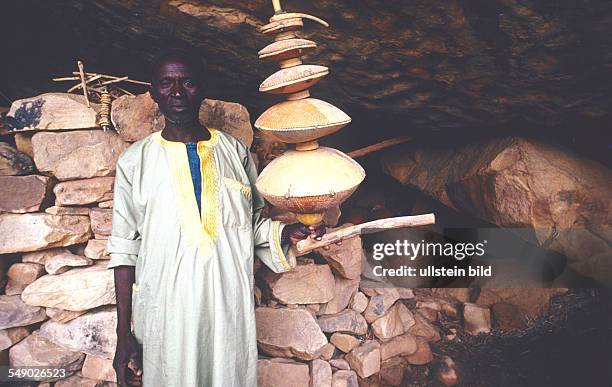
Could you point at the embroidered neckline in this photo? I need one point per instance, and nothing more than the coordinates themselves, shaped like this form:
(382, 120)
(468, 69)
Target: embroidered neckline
(199, 230)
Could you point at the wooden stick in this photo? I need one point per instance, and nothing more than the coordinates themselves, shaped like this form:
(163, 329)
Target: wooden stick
(78, 85)
(83, 83)
(114, 77)
(113, 81)
(124, 90)
(378, 146)
(67, 79)
(307, 245)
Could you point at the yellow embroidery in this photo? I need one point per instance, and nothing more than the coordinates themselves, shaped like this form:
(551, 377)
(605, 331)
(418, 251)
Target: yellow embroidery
(198, 230)
(277, 246)
(236, 185)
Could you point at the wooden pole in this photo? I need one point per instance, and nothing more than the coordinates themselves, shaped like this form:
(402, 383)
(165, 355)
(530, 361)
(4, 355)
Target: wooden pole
(378, 146)
(307, 245)
(83, 83)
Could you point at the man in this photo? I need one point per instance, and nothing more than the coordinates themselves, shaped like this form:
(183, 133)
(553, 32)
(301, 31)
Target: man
(186, 221)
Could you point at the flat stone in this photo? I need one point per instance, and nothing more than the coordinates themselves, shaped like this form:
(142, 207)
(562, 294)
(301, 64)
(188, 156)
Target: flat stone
(28, 232)
(78, 289)
(343, 292)
(229, 117)
(320, 374)
(282, 372)
(11, 336)
(61, 315)
(42, 256)
(424, 329)
(344, 342)
(54, 111)
(58, 210)
(401, 345)
(95, 249)
(106, 204)
(37, 351)
(101, 221)
(365, 359)
(15, 313)
(86, 191)
(347, 321)
(25, 273)
(328, 351)
(531, 303)
(392, 371)
(359, 302)
(345, 259)
(422, 355)
(288, 333)
(14, 162)
(92, 333)
(344, 378)
(98, 368)
(477, 319)
(61, 263)
(80, 154)
(20, 194)
(340, 364)
(454, 294)
(395, 322)
(379, 305)
(13, 288)
(305, 284)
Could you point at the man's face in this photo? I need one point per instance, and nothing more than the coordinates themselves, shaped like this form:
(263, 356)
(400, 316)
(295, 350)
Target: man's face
(177, 90)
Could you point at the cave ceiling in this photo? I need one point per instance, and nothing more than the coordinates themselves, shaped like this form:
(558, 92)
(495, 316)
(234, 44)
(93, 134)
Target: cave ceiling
(421, 65)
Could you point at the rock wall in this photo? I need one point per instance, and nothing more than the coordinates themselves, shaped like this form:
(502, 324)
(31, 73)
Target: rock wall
(316, 325)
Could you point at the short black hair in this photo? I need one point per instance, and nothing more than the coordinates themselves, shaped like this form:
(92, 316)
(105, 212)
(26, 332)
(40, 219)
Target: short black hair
(189, 55)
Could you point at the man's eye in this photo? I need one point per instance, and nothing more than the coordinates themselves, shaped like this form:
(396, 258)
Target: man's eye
(165, 84)
(189, 83)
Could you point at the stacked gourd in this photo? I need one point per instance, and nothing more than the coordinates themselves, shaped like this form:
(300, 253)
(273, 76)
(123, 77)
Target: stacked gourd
(309, 179)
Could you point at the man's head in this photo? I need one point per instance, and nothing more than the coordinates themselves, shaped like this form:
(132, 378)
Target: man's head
(177, 79)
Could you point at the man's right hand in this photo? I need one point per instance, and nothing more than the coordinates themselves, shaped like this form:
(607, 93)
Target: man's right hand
(128, 361)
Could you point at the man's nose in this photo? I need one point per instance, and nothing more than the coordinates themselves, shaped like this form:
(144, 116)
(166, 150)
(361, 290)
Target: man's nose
(177, 90)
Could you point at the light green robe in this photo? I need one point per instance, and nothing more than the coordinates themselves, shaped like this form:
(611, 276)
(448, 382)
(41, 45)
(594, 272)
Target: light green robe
(193, 306)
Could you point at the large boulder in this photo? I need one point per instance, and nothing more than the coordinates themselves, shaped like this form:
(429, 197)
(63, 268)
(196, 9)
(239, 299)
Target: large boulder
(15, 313)
(306, 284)
(14, 162)
(37, 351)
(80, 192)
(79, 154)
(28, 232)
(518, 183)
(289, 333)
(282, 372)
(77, 289)
(92, 333)
(19, 194)
(53, 111)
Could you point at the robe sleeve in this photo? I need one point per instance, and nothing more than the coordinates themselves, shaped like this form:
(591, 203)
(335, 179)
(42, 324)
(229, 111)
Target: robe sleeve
(267, 232)
(123, 244)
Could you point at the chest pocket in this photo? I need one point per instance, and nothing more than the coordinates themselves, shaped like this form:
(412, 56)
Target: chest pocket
(236, 203)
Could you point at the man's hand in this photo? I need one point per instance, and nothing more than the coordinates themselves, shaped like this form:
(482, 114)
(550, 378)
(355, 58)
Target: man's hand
(128, 361)
(297, 231)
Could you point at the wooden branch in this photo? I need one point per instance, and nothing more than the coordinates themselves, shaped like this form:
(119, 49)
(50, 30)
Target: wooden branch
(307, 245)
(113, 81)
(83, 83)
(378, 146)
(66, 79)
(78, 85)
(114, 77)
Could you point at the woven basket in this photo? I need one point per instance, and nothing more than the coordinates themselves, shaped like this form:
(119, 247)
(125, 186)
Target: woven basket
(301, 120)
(310, 181)
(287, 49)
(293, 79)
